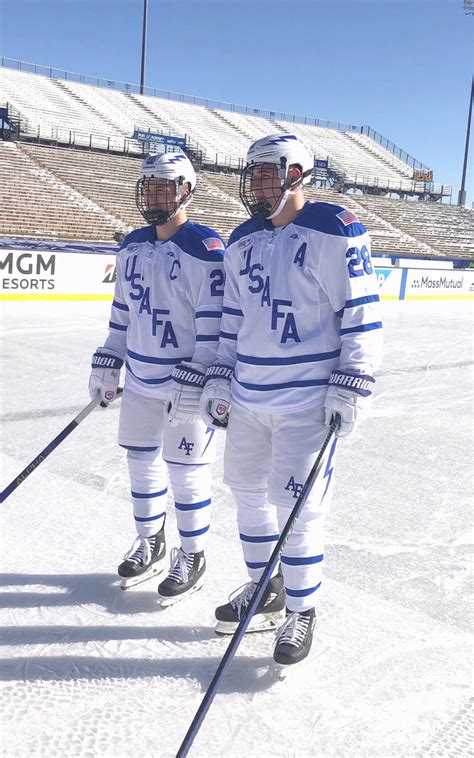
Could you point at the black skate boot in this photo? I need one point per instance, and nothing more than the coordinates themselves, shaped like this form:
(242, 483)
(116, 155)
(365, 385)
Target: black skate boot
(184, 578)
(294, 637)
(144, 560)
(267, 615)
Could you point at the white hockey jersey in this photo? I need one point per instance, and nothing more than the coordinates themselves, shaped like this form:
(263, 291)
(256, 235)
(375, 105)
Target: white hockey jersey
(167, 304)
(299, 301)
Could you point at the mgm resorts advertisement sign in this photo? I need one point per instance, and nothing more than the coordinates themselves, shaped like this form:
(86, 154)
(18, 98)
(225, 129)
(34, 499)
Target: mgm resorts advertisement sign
(56, 275)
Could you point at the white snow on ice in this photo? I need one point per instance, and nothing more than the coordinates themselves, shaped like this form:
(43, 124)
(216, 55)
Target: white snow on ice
(88, 670)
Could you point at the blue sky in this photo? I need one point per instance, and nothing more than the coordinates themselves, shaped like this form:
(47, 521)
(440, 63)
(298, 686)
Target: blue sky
(402, 66)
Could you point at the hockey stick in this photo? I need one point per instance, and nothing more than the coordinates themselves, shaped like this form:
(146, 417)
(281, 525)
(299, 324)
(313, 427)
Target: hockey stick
(52, 446)
(256, 597)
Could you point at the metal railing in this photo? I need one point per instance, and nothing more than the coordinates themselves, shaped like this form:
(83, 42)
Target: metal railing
(97, 81)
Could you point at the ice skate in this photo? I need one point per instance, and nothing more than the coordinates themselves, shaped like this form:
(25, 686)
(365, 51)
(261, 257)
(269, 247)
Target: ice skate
(185, 576)
(267, 615)
(293, 640)
(144, 560)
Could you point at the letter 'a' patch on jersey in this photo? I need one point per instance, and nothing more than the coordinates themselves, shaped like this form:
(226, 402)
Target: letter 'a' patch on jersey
(213, 243)
(347, 217)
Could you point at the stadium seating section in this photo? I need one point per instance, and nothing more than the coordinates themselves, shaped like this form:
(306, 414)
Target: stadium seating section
(54, 192)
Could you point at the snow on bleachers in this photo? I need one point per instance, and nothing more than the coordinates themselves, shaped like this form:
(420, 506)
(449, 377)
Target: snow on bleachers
(58, 106)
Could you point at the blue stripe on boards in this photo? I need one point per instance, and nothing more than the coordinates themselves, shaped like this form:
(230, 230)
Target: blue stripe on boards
(192, 506)
(264, 538)
(290, 561)
(146, 495)
(302, 593)
(362, 328)
(311, 358)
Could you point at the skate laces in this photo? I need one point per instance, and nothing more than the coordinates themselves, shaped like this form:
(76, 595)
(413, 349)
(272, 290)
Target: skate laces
(293, 630)
(181, 564)
(141, 550)
(240, 598)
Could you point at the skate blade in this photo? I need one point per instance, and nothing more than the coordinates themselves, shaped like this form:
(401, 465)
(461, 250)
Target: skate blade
(132, 581)
(260, 623)
(165, 601)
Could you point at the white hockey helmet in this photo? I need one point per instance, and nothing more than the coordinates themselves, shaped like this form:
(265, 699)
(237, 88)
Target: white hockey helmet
(172, 167)
(282, 151)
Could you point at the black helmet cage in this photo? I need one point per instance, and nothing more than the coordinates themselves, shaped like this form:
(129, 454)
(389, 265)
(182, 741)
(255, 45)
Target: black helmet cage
(263, 207)
(146, 201)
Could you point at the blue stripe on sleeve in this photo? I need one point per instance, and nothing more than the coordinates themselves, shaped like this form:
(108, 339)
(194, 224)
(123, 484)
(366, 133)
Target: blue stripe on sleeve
(232, 311)
(362, 301)
(120, 306)
(208, 314)
(113, 325)
(255, 565)
(207, 338)
(362, 328)
(228, 336)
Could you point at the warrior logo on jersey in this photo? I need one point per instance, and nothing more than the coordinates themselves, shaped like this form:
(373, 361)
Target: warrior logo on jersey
(295, 487)
(184, 445)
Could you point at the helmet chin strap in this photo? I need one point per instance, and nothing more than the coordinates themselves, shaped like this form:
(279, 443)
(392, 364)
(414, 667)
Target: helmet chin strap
(284, 197)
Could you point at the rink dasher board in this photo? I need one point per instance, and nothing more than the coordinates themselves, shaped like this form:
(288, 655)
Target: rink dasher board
(63, 275)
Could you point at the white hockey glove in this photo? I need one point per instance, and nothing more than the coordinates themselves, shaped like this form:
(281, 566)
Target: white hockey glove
(186, 388)
(216, 397)
(349, 397)
(105, 375)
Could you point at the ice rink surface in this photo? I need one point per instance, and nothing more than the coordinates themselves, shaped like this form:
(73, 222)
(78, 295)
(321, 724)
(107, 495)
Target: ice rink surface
(89, 670)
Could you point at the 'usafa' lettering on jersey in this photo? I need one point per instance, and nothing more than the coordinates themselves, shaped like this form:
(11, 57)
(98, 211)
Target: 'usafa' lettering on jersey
(249, 270)
(295, 487)
(289, 331)
(184, 445)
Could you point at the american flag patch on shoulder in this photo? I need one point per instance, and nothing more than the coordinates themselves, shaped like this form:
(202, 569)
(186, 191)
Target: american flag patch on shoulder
(213, 243)
(347, 217)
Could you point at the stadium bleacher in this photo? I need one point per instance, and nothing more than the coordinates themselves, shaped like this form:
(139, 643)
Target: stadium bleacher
(88, 195)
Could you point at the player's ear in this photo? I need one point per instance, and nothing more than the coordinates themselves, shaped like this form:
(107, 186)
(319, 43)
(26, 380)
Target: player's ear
(294, 173)
(186, 190)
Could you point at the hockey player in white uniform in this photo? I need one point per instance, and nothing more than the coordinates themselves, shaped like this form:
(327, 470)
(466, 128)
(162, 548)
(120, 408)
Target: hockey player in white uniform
(300, 339)
(164, 326)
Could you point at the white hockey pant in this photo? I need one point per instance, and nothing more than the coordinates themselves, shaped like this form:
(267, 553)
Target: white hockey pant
(267, 460)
